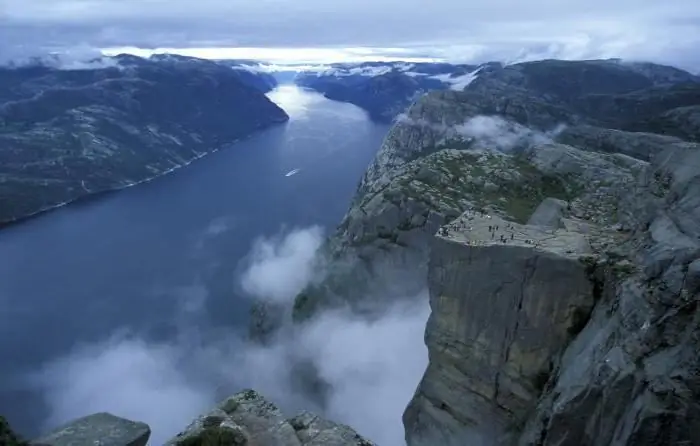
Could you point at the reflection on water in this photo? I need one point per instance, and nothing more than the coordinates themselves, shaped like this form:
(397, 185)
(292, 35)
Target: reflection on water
(294, 100)
(298, 101)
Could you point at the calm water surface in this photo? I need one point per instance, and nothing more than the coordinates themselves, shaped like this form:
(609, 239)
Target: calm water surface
(130, 261)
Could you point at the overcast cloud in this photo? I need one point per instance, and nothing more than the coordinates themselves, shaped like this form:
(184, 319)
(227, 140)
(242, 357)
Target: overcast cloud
(666, 31)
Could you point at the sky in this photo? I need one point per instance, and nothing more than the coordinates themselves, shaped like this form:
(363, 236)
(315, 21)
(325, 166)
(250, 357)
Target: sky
(323, 31)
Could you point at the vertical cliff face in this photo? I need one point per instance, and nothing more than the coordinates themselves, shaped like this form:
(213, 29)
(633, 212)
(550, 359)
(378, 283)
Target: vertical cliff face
(500, 311)
(581, 327)
(631, 376)
(581, 330)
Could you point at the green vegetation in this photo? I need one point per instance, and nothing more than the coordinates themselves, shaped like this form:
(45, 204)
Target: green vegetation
(506, 183)
(623, 269)
(215, 436)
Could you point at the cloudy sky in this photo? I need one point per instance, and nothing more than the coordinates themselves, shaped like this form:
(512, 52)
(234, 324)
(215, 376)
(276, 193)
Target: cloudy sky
(666, 31)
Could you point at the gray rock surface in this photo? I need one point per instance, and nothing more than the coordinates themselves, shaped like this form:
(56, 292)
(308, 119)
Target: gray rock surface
(505, 298)
(640, 145)
(549, 214)
(101, 429)
(244, 419)
(247, 419)
(581, 329)
(683, 122)
(631, 376)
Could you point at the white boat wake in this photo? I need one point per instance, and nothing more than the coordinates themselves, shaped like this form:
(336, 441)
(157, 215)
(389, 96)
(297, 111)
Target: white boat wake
(292, 172)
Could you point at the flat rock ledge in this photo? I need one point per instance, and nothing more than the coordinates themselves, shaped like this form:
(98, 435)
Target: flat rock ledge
(508, 297)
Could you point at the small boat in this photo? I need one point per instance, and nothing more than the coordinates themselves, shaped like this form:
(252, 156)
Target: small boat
(292, 172)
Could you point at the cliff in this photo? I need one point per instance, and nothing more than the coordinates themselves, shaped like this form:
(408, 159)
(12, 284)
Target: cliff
(66, 134)
(575, 320)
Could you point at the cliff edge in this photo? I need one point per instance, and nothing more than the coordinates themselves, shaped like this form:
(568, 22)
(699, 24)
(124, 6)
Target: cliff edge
(560, 250)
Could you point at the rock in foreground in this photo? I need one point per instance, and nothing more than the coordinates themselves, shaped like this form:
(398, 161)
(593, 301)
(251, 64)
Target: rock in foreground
(247, 419)
(101, 429)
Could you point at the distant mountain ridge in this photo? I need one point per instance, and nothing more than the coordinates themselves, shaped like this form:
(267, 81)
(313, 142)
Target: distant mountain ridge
(386, 89)
(65, 134)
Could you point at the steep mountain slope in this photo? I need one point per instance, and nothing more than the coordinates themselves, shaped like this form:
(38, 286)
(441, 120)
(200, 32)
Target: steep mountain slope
(252, 73)
(65, 134)
(609, 88)
(561, 263)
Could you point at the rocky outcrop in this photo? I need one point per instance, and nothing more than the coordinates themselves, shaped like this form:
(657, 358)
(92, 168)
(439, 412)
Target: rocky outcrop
(425, 174)
(605, 355)
(507, 297)
(245, 419)
(248, 419)
(101, 428)
(683, 122)
(491, 334)
(631, 376)
(574, 321)
(66, 134)
(640, 145)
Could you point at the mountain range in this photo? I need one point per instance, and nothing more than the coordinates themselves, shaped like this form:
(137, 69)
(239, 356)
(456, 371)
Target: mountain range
(69, 133)
(384, 90)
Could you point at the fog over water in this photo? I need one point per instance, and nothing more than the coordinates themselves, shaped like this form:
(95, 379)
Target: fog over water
(136, 303)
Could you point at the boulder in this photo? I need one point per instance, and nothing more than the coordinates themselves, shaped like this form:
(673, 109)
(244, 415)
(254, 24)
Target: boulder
(101, 428)
(248, 419)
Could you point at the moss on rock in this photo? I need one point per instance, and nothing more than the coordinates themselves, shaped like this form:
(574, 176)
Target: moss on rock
(216, 436)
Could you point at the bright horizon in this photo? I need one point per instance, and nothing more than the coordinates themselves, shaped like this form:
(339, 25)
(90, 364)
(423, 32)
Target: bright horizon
(284, 56)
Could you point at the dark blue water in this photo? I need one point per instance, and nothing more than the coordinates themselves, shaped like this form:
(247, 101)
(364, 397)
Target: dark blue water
(126, 261)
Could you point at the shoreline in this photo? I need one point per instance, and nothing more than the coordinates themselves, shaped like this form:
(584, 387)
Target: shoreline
(100, 194)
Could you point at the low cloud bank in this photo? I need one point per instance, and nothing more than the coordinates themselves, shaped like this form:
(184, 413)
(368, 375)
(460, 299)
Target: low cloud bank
(373, 367)
(488, 132)
(74, 58)
(504, 135)
(280, 267)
